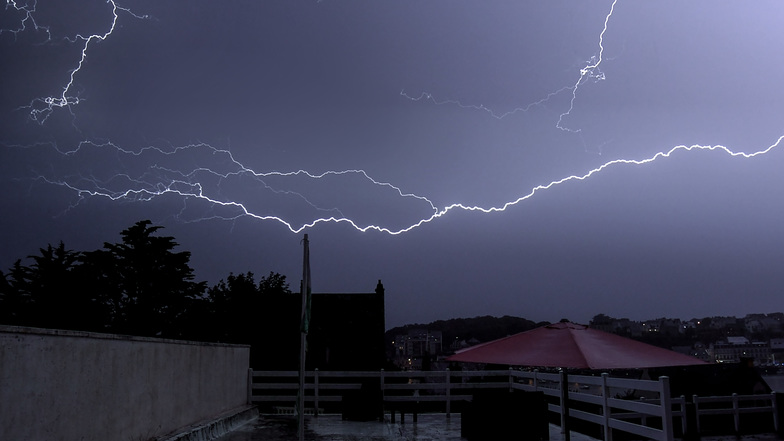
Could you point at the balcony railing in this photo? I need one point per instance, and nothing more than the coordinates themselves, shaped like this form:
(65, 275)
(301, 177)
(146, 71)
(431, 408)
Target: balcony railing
(595, 399)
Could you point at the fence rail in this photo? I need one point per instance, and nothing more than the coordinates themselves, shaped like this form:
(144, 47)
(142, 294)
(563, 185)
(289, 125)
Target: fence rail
(736, 405)
(589, 398)
(601, 400)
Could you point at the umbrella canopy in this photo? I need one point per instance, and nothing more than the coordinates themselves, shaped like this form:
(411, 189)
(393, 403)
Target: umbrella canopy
(569, 345)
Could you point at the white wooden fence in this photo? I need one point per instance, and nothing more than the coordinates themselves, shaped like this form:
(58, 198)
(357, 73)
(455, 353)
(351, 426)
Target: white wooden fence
(591, 398)
(736, 405)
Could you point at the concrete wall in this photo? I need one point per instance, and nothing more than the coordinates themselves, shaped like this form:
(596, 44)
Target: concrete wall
(69, 385)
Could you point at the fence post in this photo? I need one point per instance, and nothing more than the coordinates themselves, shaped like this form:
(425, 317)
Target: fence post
(775, 407)
(448, 393)
(511, 380)
(315, 392)
(536, 379)
(644, 417)
(735, 412)
(606, 412)
(384, 396)
(695, 399)
(683, 415)
(250, 385)
(666, 405)
(564, 405)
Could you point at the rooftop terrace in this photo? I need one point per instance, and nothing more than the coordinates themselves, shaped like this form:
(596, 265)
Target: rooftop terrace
(429, 427)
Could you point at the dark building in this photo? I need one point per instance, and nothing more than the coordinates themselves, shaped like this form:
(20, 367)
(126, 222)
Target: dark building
(346, 332)
(737, 349)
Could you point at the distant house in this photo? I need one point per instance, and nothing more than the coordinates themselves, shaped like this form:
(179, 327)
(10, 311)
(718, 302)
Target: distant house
(663, 326)
(723, 323)
(777, 351)
(416, 345)
(737, 340)
(761, 323)
(622, 326)
(629, 328)
(698, 350)
(735, 349)
(462, 344)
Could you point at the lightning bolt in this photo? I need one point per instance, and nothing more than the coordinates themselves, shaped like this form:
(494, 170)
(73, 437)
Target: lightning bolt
(429, 97)
(154, 172)
(202, 183)
(41, 108)
(590, 72)
(190, 184)
(28, 12)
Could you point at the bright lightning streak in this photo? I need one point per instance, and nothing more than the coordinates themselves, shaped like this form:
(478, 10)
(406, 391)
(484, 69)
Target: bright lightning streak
(41, 108)
(188, 187)
(552, 184)
(29, 17)
(590, 71)
(204, 182)
(157, 181)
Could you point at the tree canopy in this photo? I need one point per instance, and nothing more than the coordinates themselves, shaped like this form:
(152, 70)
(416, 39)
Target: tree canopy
(140, 286)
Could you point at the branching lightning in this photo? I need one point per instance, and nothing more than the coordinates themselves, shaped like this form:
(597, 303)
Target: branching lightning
(42, 107)
(189, 185)
(158, 180)
(28, 11)
(590, 72)
(162, 173)
(429, 97)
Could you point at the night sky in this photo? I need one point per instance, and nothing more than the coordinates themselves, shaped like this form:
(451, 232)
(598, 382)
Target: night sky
(239, 125)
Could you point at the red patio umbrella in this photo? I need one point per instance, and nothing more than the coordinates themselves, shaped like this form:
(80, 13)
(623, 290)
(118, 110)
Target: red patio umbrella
(569, 345)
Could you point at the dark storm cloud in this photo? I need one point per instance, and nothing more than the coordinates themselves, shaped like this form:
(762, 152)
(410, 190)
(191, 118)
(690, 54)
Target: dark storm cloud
(456, 102)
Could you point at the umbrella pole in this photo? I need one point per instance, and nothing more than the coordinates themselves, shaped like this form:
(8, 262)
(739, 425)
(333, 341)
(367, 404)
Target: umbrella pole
(565, 405)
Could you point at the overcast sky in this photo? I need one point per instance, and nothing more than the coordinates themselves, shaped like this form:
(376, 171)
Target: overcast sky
(196, 115)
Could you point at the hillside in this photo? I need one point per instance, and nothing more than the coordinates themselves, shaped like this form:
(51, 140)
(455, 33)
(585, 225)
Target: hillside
(483, 328)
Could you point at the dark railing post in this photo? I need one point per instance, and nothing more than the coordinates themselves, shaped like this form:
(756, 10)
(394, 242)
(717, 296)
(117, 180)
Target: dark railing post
(564, 405)
(511, 379)
(384, 394)
(644, 417)
(316, 392)
(536, 379)
(448, 380)
(606, 413)
(250, 385)
(666, 407)
(684, 427)
(735, 412)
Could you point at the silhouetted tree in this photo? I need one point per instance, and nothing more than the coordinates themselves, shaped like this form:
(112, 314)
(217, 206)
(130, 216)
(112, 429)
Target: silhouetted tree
(274, 283)
(139, 286)
(47, 293)
(57, 299)
(238, 302)
(145, 287)
(233, 303)
(15, 298)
